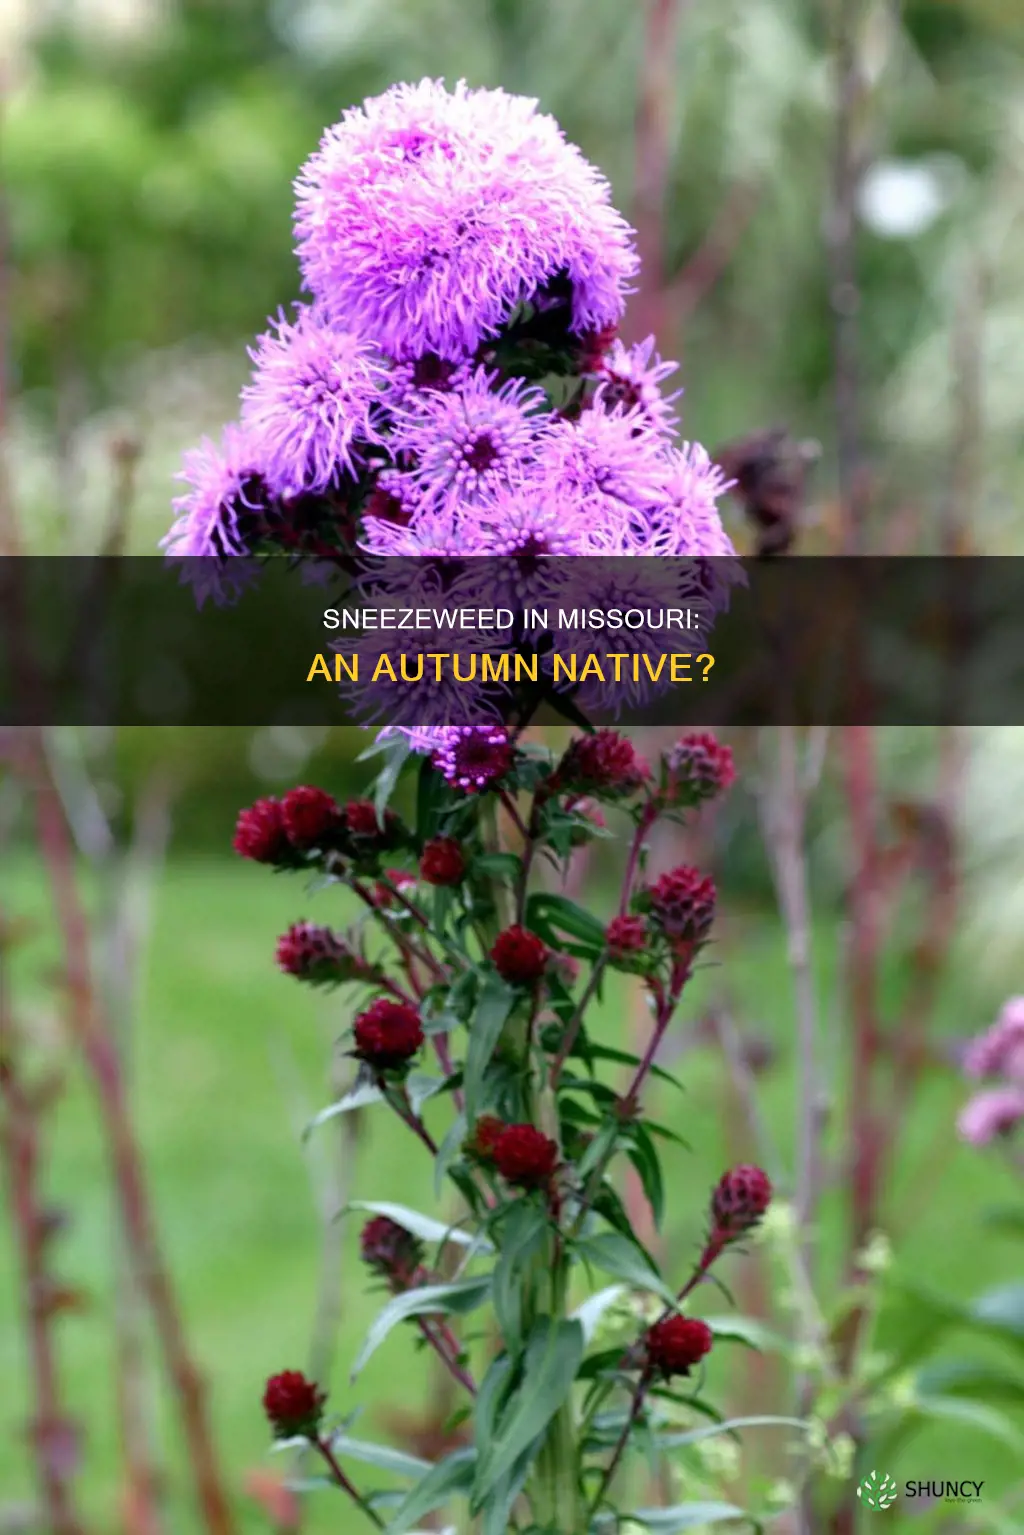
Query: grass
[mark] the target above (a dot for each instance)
(230, 1058)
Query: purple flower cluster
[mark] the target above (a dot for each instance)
(443, 236)
(996, 1056)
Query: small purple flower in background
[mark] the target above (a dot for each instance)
(425, 217)
(312, 403)
(999, 1052)
(472, 757)
(466, 442)
(993, 1113)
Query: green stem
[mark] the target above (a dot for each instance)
(555, 1486)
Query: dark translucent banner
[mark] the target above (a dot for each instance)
(792, 641)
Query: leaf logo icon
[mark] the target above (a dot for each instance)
(877, 1492)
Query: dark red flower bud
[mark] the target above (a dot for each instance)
(360, 817)
(519, 956)
(315, 954)
(260, 833)
(741, 1198)
(604, 763)
(294, 1405)
(697, 768)
(485, 1135)
(310, 816)
(675, 1345)
(442, 862)
(387, 1034)
(683, 903)
(625, 937)
(524, 1157)
(392, 1252)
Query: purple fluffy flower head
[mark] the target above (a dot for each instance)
(226, 499)
(631, 377)
(472, 757)
(466, 442)
(427, 216)
(312, 403)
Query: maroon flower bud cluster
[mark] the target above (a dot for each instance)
(360, 819)
(683, 904)
(392, 1252)
(697, 768)
(442, 862)
(519, 956)
(524, 1157)
(485, 1135)
(675, 1345)
(260, 833)
(625, 939)
(740, 1200)
(294, 1405)
(315, 954)
(311, 817)
(387, 1034)
(604, 764)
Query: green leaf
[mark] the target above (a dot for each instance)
(590, 1313)
(1001, 1309)
(552, 916)
(498, 865)
(971, 1415)
(381, 1456)
(676, 1441)
(523, 1235)
(496, 1002)
(746, 1329)
(643, 1154)
(1006, 1218)
(421, 1087)
(460, 1296)
(686, 1516)
(384, 784)
(970, 1377)
(421, 1225)
(553, 1355)
(450, 1478)
(448, 1151)
(626, 1058)
(615, 1254)
(489, 1401)
(358, 1098)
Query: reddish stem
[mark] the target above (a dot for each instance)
(446, 1347)
(102, 1061)
(19, 1143)
(323, 1446)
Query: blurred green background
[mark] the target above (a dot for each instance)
(148, 152)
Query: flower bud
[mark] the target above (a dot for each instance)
(442, 862)
(604, 764)
(314, 954)
(387, 1034)
(294, 1405)
(311, 817)
(683, 904)
(260, 833)
(696, 769)
(524, 1157)
(675, 1345)
(740, 1200)
(519, 956)
(392, 1252)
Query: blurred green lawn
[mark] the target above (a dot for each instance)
(230, 1057)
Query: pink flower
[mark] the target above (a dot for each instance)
(999, 1052)
(992, 1113)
